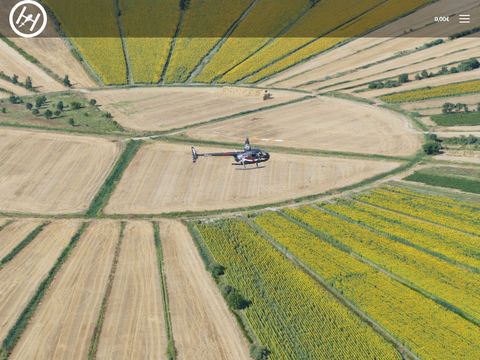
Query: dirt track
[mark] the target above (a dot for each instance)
(154, 109)
(161, 178)
(62, 326)
(20, 278)
(326, 124)
(51, 173)
(203, 326)
(134, 324)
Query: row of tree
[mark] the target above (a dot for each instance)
(28, 84)
(466, 65)
(448, 108)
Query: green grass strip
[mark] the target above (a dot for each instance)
(92, 352)
(107, 188)
(171, 351)
(17, 330)
(22, 244)
(452, 182)
(458, 119)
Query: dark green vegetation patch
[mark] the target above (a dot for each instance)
(463, 179)
(457, 119)
(70, 111)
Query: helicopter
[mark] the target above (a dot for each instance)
(248, 156)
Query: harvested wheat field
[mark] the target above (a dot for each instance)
(203, 326)
(154, 109)
(134, 324)
(14, 63)
(12, 234)
(161, 178)
(20, 278)
(52, 173)
(63, 325)
(324, 123)
(412, 64)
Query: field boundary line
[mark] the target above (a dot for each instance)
(121, 31)
(97, 332)
(345, 248)
(173, 43)
(22, 244)
(204, 61)
(418, 247)
(101, 198)
(379, 329)
(16, 331)
(171, 351)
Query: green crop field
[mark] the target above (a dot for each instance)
(77, 114)
(457, 119)
(461, 179)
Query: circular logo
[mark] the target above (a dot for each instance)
(28, 19)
